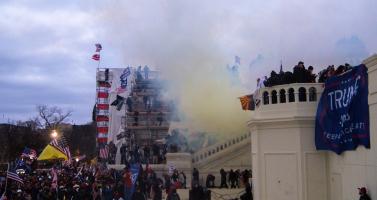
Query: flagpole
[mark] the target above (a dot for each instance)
(6, 182)
(99, 61)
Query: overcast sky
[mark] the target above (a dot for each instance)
(46, 46)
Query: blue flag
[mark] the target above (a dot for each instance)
(342, 121)
(135, 168)
(134, 173)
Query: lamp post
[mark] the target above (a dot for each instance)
(54, 134)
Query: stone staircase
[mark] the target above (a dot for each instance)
(205, 154)
(234, 153)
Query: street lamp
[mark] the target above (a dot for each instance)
(54, 134)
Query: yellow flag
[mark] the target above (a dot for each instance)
(51, 153)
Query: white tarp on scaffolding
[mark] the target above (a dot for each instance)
(120, 90)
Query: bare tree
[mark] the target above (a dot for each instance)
(51, 117)
(31, 124)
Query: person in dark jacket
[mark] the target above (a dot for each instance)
(299, 72)
(129, 104)
(248, 194)
(112, 152)
(196, 192)
(138, 195)
(210, 181)
(157, 192)
(173, 195)
(195, 175)
(363, 194)
(232, 178)
(123, 154)
(310, 76)
(223, 179)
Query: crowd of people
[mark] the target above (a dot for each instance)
(153, 154)
(301, 74)
(91, 182)
(95, 181)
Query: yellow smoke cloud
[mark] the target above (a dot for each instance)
(206, 96)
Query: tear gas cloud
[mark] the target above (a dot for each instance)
(187, 54)
(191, 42)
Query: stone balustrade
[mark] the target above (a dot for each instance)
(289, 93)
(203, 154)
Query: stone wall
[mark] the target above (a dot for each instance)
(284, 160)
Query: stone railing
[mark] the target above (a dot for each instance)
(289, 93)
(218, 147)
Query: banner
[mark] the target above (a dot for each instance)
(119, 91)
(342, 121)
(134, 173)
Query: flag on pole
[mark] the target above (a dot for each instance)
(61, 145)
(247, 102)
(133, 174)
(14, 176)
(50, 153)
(98, 47)
(104, 152)
(96, 57)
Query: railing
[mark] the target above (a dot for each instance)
(152, 75)
(216, 148)
(140, 107)
(289, 93)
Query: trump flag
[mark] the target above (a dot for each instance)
(342, 120)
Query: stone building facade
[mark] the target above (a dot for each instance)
(286, 164)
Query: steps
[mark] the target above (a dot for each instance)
(205, 154)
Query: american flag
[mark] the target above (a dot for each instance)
(96, 57)
(62, 145)
(104, 152)
(14, 176)
(54, 182)
(30, 153)
(98, 47)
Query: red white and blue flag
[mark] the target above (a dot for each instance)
(98, 47)
(14, 176)
(62, 145)
(104, 152)
(96, 57)
(29, 153)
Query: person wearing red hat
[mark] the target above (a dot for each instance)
(363, 194)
